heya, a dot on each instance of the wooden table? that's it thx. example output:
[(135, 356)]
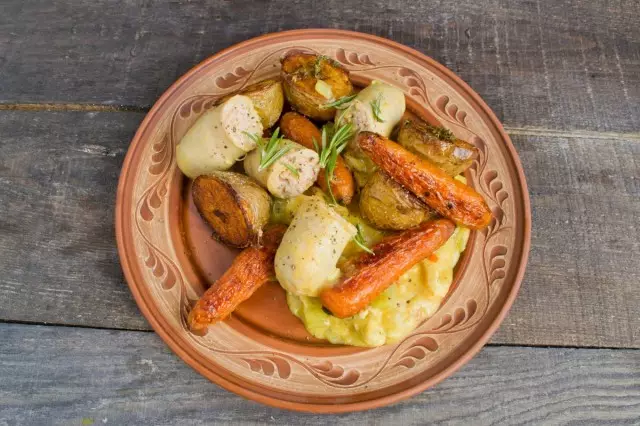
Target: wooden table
[(76, 78)]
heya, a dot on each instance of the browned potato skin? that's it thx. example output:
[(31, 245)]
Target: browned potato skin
[(447, 196), (437, 145), (301, 130), (233, 205), (250, 270), (299, 82), (368, 275), (268, 100), (387, 205)]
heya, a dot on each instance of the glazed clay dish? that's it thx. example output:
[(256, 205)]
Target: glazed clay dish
[(268, 345)]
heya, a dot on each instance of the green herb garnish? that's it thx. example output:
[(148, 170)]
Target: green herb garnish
[(333, 143), (270, 149), (317, 66), (375, 108), (359, 239), (292, 169), (341, 103)]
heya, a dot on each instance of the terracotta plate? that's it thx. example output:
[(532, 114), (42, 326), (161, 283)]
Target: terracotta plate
[(263, 352)]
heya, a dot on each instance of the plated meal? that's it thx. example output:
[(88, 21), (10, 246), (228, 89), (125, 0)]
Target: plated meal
[(322, 220), (357, 208)]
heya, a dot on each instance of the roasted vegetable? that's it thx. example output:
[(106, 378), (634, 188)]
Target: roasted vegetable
[(368, 275), (387, 205), (306, 260), (312, 83), (219, 137), (234, 205), (268, 99), (447, 196), (301, 130), (251, 269), (438, 145), (289, 174), (377, 108)]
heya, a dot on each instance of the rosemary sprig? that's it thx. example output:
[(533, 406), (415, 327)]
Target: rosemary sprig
[(359, 239), (292, 169), (375, 108), (270, 149), (341, 103), (333, 143), (317, 67)]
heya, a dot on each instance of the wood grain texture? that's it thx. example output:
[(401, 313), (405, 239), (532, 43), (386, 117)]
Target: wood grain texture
[(545, 63), (58, 179), (62, 376), (58, 261), (581, 286)]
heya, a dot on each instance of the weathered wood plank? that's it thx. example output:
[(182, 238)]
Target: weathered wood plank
[(58, 257), (582, 279), (58, 261), (552, 64), (62, 375)]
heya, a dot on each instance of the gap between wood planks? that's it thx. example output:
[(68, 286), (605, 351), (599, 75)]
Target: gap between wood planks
[(495, 345), (520, 131)]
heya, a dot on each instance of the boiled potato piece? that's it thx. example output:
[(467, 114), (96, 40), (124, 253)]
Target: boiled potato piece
[(219, 137), (310, 82), (377, 108), (234, 206), (438, 145), (268, 99), (306, 260), (288, 176), (387, 205)]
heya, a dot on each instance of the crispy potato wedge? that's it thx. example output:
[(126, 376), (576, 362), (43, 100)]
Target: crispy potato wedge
[(251, 269), (267, 97), (301, 130), (447, 196), (234, 205), (300, 75), (387, 205), (368, 275), (437, 145)]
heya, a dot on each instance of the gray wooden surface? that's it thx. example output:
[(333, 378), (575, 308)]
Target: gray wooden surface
[(75, 80), (62, 375)]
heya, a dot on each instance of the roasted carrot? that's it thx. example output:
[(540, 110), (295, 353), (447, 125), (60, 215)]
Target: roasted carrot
[(300, 129), (368, 275), (252, 268), (447, 196)]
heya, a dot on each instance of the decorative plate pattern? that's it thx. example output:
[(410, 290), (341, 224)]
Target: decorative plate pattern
[(291, 374)]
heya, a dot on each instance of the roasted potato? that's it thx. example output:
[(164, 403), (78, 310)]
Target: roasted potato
[(387, 205), (310, 82), (438, 145), (234, 205), (267, 98)]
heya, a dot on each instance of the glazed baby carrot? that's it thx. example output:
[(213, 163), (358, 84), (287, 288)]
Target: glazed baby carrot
[(252, 268), (447, 196), (300, 129), (368, 275)]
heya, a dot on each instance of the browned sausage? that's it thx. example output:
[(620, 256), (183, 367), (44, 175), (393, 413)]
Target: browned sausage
[(368, 275), (447, 196), (252, 268), (300, 129)]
